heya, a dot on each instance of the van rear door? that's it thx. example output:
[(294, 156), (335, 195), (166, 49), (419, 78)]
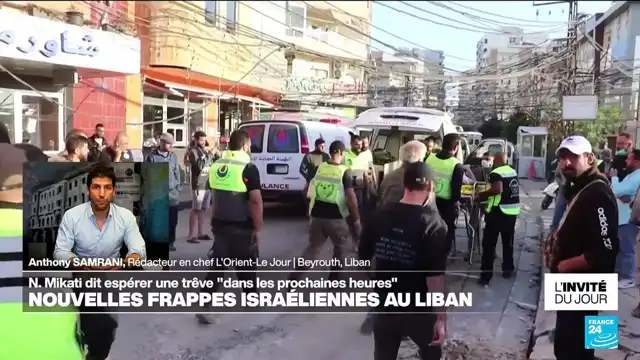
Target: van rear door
[(284, 153)]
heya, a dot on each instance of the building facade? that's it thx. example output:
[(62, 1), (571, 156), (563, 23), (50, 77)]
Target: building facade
[(67, 72), (202, 67), (398, 80), (433, 67), (325, 71)]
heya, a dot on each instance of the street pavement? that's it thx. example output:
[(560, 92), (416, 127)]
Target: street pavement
[(497, 327), (629, 327)]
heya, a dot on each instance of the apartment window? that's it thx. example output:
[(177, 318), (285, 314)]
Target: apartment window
[(232, 17), (486, 40), (295, 19), (320, 73), (210, 12), (513, 40)]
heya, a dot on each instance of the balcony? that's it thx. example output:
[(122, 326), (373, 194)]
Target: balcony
[(180, 37), (328, 42)]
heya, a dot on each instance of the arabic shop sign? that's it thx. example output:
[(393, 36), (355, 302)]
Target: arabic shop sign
[(307, 85), (50, 46)]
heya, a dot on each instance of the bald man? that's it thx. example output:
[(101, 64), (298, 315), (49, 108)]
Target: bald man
[(119, 151), (503, 208)]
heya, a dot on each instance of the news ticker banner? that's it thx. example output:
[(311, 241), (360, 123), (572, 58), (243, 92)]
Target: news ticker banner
[(581, 292), (193, 292)]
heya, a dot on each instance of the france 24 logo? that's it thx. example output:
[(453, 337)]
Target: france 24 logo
[(600, 332), (581, 292)]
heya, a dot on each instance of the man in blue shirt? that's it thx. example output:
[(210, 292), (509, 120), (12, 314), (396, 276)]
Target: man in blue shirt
[(98, 229), (625, 192)]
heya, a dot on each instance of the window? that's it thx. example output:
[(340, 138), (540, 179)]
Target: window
[(210, 12), (295, 19), (320, 73), (486, 40), (256, 134), (283, 138), (232, 16)]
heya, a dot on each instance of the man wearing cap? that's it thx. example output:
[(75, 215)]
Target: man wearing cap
[(164, 154), (237, 215), (407, 241), (503, 208), (25, 335), (332, 199), (585, 242)]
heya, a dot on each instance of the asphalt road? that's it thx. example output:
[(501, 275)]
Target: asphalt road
[(497, 327)]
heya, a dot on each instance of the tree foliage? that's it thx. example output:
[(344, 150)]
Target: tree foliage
[(608, 121)]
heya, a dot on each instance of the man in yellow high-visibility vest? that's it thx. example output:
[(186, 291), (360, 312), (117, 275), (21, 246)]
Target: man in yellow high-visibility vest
[(332, 200), (503, 208), (360, 165), (449, 180), (237, 213)]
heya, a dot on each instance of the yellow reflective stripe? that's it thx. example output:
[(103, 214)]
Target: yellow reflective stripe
[(231, 162), (327, 179)]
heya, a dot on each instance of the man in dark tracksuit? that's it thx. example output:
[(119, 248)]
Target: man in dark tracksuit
[(311, 161), (449, 177), (162, 154), (237, 212), (587, 240)]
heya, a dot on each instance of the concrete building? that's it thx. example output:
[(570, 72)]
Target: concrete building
[(199, 68), (452, 95), (60, 51), (325, 75), (434, 66), (502, 54), (397, 81)]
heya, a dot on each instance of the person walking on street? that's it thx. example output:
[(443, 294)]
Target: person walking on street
[(164, 154), (625, 192), (407, 241), (311, 161), (200, 160), (449, 177), (332, 200), (363, 178), (586, 241), (391, 191), (604, 165), (237, 216), (503, 208)]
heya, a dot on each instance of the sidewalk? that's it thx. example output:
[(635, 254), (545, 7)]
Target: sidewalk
[(629, 330)]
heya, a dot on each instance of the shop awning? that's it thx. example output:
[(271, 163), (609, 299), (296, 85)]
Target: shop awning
[(211, 86)]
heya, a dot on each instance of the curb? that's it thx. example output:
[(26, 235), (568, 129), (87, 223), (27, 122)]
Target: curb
[(541, 344)]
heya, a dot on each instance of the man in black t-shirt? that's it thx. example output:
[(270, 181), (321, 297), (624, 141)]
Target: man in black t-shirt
[(332, 199), (409, 238), (118, 152)]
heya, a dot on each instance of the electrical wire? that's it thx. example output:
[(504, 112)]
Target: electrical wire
[(503, 16)]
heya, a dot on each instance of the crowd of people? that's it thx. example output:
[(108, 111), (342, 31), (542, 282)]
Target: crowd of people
[(414, 209)]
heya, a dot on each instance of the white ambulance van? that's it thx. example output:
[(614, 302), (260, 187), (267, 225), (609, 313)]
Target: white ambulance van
[(278, 147)]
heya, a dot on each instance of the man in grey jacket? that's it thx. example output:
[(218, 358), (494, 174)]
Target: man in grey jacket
[(162, 154)]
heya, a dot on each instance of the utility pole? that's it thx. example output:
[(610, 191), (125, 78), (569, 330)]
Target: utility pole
[(569, 87), (407, 92)]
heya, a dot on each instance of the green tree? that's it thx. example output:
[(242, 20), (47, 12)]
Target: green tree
[(608, 121), (491, 128)]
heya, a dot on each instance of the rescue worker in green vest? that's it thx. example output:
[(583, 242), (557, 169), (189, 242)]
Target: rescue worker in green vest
[(360, 164), (430, 143), (237, 212), (25, 335), (332, 200), (503, 208), (449, 179)]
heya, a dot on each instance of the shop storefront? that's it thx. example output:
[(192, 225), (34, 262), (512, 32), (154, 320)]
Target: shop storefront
[(49, 57), (179, 101)]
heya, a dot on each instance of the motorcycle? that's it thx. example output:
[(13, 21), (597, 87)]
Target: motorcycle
[(550, 192)]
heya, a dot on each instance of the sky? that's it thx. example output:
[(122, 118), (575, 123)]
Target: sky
[(459, 46)]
